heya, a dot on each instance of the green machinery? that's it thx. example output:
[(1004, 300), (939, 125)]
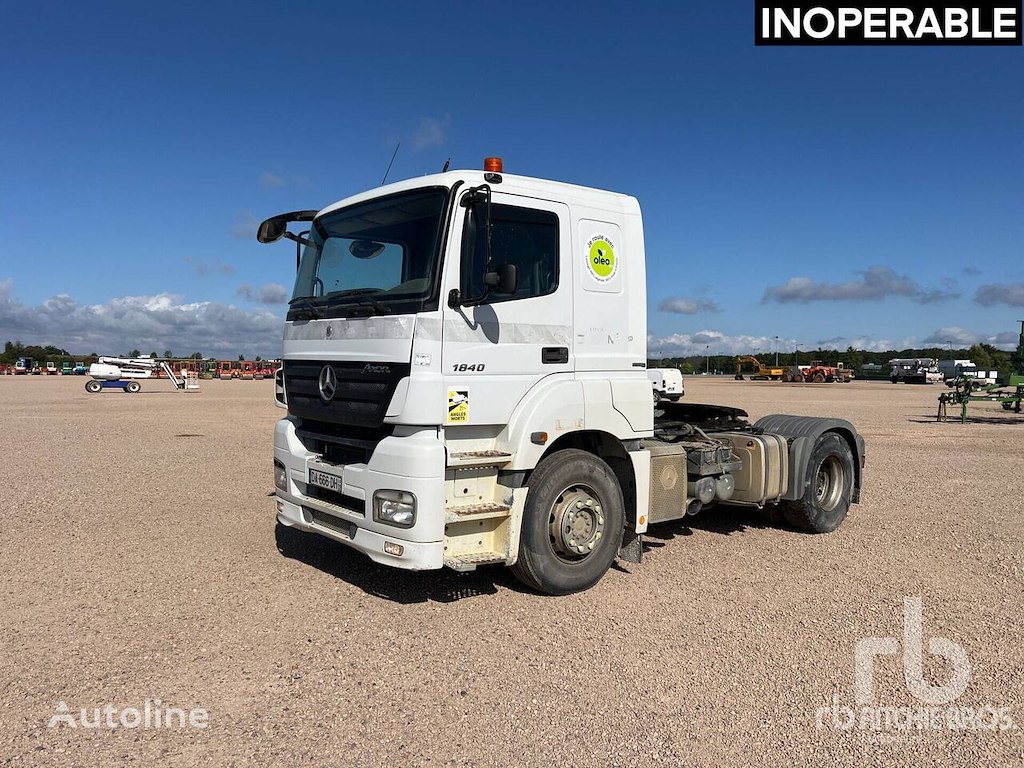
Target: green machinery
[(1009, 395)]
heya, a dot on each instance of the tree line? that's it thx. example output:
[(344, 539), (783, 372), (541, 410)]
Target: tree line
[(985, 356), (49, 353)]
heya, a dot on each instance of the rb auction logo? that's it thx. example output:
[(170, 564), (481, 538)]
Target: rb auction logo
[(984, 22)]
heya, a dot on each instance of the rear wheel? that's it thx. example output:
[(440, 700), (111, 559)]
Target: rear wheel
[(132, 386), (828, 487), (92, 386), (819, 378), (572, 523)]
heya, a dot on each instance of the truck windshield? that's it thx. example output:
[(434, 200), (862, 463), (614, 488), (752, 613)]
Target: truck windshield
[(378, 257)]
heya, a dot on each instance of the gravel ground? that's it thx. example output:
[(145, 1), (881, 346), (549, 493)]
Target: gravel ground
[(140, 562)]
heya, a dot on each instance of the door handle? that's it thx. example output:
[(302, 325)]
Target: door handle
[(554, 355)]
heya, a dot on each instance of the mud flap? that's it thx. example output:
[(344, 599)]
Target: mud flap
[(632, 546)]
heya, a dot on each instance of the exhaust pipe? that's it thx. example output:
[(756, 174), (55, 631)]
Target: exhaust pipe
[(693, 506)]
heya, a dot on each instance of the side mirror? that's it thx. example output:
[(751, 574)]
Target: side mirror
[(276, 227), (503, 281), (271, 230)]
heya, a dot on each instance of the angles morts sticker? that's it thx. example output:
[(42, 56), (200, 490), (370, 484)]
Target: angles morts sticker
[(458, 406)]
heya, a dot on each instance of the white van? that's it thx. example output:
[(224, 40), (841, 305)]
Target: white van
[(666, 382)]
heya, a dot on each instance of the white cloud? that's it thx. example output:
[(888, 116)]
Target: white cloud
[(244, 226), (714, 343), (206, 268), (1011, 294), (875, 284), (431, 132), (157, 322), (717, 343), (684, 306), (270, 180), (271, 293), (962, 337)]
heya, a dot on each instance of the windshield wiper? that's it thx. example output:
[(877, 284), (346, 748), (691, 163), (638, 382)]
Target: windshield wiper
[(374, 306), (308, 306)]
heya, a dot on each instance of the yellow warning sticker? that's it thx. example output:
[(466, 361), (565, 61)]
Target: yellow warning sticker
[(458, 406)]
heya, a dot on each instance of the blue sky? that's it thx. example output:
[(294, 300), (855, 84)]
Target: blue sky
[(827, 196)]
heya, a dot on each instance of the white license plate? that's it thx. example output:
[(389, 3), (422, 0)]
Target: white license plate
[(325, 480)]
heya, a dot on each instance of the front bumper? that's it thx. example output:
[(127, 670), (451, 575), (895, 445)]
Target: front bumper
[(411, 460)]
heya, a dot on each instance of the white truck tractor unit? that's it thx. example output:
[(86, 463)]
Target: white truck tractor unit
[(465, 381)]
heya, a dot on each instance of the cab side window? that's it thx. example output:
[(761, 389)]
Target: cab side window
[(525, 237)]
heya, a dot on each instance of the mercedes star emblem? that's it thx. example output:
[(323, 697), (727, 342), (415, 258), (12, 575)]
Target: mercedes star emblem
[(328, 383)]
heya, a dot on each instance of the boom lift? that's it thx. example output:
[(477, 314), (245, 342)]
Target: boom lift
[(124, 373), (464, 380)]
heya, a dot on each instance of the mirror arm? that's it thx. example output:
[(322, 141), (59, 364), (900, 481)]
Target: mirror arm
[(299, 240)]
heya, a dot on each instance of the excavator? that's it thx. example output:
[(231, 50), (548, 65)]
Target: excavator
[(761, 372)]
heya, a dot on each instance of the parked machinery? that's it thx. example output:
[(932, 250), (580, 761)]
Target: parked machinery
[(761, 372), (124, 373)]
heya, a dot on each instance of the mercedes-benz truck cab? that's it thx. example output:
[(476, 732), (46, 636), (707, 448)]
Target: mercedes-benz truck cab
[(464, 373)]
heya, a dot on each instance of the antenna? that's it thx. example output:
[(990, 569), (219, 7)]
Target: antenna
[(446, 164), (390, 164)]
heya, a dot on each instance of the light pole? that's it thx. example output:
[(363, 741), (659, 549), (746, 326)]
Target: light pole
[(776, 351), (707, 354)]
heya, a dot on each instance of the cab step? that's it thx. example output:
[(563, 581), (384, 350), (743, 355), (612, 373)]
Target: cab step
[(482, 511), (469, 562), (464, 459)]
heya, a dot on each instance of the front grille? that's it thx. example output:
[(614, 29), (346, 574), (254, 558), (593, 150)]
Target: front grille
[(339, 444), (362, 395), (346, 502), (346, 529)]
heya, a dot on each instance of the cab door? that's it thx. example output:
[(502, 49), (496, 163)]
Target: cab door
[(497, 346)]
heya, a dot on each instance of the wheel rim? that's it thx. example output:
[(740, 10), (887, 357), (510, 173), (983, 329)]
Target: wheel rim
[(828, 484), (576, 523)]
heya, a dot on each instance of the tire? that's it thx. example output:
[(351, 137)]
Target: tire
[(799, 378), (132, 387), (657, 396), (577, 484), (92, 386), (819, 378), (826, 500)]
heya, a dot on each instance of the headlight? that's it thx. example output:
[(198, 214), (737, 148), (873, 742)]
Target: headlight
[(396, 508), (280, 476)]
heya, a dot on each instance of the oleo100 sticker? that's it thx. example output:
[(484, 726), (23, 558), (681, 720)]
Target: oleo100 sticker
[(601, 260)]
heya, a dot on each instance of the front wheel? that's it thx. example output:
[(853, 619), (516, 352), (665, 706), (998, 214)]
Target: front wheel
[(92, 386), (572, 523), (828, 487)]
